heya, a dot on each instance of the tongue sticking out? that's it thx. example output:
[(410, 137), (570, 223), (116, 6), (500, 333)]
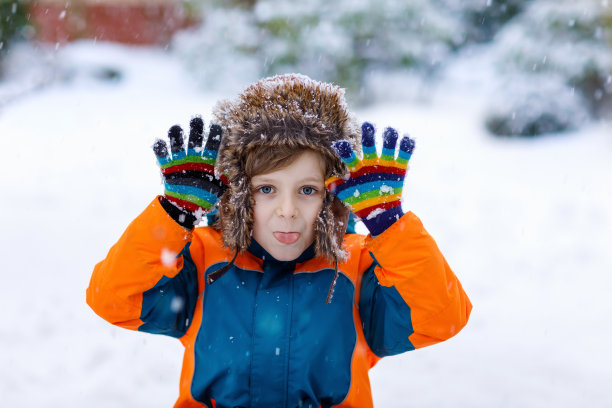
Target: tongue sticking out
[(287, 237)]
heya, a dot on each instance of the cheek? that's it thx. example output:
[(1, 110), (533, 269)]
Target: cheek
[(312, 212), (259, 212)]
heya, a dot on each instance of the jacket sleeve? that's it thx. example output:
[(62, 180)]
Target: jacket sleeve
[(148, 281), (409, 296)]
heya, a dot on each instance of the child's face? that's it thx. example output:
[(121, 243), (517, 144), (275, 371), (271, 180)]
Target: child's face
[(287, 202)]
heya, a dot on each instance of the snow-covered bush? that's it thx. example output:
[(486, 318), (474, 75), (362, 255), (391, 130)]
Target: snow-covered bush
[(340, 41), (560, 41), (12, 22), (537, 105), (223, 52), (484, 18)]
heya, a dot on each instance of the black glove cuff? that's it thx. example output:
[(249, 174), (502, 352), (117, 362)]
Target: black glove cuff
[(184, 218)]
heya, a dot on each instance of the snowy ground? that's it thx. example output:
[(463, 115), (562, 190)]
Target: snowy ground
[(525, 224)]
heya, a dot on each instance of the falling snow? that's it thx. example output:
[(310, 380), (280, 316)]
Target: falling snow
[(168, 257), (526, 225)]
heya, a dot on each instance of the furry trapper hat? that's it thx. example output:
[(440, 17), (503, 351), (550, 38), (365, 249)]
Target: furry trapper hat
[(291, 110)]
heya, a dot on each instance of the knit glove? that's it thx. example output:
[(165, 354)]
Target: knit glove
[(374, 189), (191, 188)]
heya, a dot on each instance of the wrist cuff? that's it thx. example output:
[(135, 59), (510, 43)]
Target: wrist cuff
[(379, 220), (184, 218)]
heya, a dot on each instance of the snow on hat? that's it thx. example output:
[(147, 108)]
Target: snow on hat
[(289, 110)]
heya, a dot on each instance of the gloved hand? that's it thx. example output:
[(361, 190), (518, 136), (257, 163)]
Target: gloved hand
[(189, 176), (374, 188)]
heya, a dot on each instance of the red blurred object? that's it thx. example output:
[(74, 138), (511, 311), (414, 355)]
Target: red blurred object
[(124, 21)]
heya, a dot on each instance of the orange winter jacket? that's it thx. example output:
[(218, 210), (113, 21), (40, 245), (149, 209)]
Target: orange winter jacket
[(262, 334)]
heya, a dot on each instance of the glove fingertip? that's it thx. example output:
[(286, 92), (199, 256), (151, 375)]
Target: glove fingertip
[(390, 133), (367, 127), (197, 124), (196, 128), (175, 134), (160, 148), (389, 138), (343, 148), (367, 134), (215, 131), (214, 140), (196, 121), (175, 131), (407, 144)]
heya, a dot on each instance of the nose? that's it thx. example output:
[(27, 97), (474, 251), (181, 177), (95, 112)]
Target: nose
[(287, 207)]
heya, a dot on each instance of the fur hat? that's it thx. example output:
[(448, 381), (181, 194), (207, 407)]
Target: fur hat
[(289, 110)]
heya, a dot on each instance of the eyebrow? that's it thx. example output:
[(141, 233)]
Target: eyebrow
[(313, 180)]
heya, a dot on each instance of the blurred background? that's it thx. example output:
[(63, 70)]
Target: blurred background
[(550, 60), (510, 103)]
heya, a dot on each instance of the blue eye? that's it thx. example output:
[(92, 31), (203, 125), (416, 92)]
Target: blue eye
[(265, 189), (308, 190)]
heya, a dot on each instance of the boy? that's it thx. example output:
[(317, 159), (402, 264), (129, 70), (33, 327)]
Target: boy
[(276, 305)]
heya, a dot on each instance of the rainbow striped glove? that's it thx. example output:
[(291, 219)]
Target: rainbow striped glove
[(374, 189), (189, 176)]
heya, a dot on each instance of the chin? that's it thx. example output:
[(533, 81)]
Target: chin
[(286, 254)]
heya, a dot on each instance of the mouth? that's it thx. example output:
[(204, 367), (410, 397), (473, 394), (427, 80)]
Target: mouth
[(287, 237)]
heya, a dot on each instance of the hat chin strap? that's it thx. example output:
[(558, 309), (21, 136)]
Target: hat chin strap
[(334, 212), (332, 287), (214, 276)]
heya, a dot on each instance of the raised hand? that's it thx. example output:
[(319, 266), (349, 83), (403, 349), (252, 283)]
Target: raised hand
[(189, 175), (374, 189)]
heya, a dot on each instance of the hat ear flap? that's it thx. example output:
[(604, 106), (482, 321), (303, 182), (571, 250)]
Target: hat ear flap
[(330, 227), (236, 215)]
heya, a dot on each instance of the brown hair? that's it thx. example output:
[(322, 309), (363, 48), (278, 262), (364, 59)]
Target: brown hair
[(266, 159)]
